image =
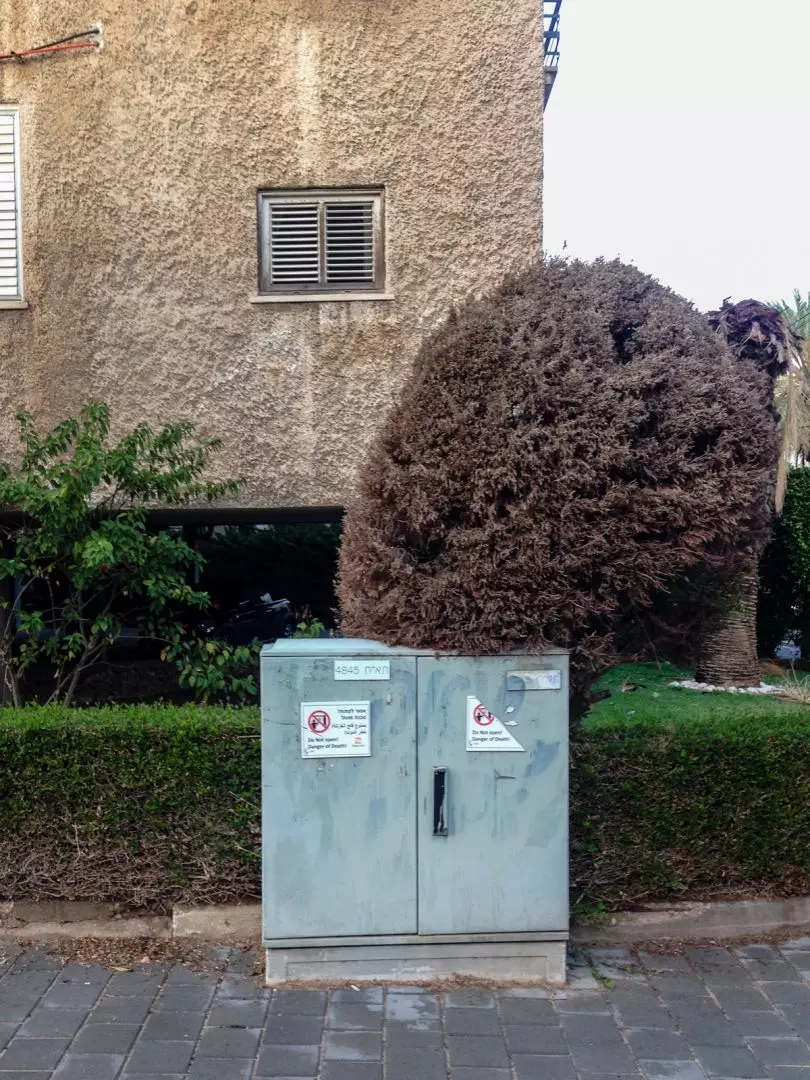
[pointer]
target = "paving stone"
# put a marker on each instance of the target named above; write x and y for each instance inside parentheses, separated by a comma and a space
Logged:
(14, 1009)
(412, 1008)
(293, 1030)
(229, 1042)
(134, 983)
(761, 1023)
(36, 960)
(525, 992)
(288, 1061)
(6, 1032)
(756, 952)
(70, 995)
(173, 1026)
(771, 970)
(729, 1061)
(364, 995)
(244, 962)
(13, 1075)
(407, 1064)
(795, 943)
(527, 1011)
(33, 1053)
(215, 1069)
(672, 1070)
(120, 1010)
(784, 1051)
(581, 1003)
(799, 958)
(105, 1039)
(407, 1035)
(351, 1070)
(658, 1045)
(182, 976)
(353, 1046)
(472, 1022)
(782, 1072)
(83, 973)
(735, 999)
(238, 1013)
(581, 979)
(709, 1031)
(355, 1017)
(469, 998)
(480, 1051)
(787, 993)
(671, 986)
(299, 1002)
(798, 1016)
(184, 999)
(654, 1017)
(713, 959)
(654, 962)
(534, 1067)
(53, 1023)
(526, 1039)
(243, 986)
(160, 1055)
(602, 1058)
(585, 1030)
(149, 1076)
(27, 983)
(89, 1067)
(481, 1074)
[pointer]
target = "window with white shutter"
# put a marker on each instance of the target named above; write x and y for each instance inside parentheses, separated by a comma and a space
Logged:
(321, 241)
(10, 250)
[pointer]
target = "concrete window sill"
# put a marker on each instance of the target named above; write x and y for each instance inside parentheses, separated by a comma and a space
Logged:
(13, 305)
(318, 298)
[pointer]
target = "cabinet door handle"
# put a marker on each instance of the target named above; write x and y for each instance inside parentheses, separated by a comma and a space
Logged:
(440, 802)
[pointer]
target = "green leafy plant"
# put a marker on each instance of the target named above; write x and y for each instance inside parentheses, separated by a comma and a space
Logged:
(78, 558)
(308, 627)
(216, 670)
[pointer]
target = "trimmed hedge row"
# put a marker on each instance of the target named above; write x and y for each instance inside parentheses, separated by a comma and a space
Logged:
(140, 804)
(150, 806)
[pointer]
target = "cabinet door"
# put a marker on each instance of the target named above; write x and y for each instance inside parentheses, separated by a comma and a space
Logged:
(339, 854)
(503, 864)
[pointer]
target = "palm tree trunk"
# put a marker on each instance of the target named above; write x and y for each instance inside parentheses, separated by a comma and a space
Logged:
(729, 646)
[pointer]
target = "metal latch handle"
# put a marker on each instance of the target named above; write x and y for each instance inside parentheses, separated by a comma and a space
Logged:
(440, 802)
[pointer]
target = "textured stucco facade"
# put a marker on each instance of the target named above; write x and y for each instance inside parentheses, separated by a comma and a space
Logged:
(140, 168)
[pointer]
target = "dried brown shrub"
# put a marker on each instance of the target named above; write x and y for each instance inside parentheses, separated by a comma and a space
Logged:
(564, 449)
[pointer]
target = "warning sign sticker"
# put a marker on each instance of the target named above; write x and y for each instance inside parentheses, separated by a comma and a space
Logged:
(485, 731)
(335, 729)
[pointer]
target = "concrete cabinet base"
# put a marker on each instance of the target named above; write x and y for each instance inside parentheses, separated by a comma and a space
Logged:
(415, 813)
(519, 961)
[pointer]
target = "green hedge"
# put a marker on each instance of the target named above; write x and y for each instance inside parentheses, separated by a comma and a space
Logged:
(708, 806)
(153, 805)
(145, 805)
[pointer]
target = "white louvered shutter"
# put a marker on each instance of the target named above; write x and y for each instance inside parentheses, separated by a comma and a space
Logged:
(294, 247)
(10, 268)
(349, 242)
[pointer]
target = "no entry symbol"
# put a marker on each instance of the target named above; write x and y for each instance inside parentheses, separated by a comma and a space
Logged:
(319, 722)
(483, 717)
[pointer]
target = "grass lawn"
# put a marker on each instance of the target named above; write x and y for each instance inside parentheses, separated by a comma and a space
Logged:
(657, 701)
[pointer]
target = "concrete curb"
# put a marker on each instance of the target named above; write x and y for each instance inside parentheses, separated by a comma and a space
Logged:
(713, 919)
(241, 922)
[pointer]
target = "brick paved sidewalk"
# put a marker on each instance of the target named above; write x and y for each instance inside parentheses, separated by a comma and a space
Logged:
(716, 1014)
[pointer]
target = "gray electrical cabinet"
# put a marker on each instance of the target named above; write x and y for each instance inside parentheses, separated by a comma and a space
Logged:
(415, 812)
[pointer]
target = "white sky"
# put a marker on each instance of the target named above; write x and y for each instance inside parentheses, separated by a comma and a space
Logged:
(678, 138)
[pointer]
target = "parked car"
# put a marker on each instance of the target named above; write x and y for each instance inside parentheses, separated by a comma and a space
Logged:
(256, 616)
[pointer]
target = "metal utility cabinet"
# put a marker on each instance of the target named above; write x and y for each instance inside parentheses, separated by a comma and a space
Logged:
(415, 812)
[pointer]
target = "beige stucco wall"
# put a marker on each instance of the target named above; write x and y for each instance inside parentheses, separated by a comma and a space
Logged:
(140, 166)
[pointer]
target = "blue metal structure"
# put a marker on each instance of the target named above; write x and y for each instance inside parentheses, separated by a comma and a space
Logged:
(551, 21)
